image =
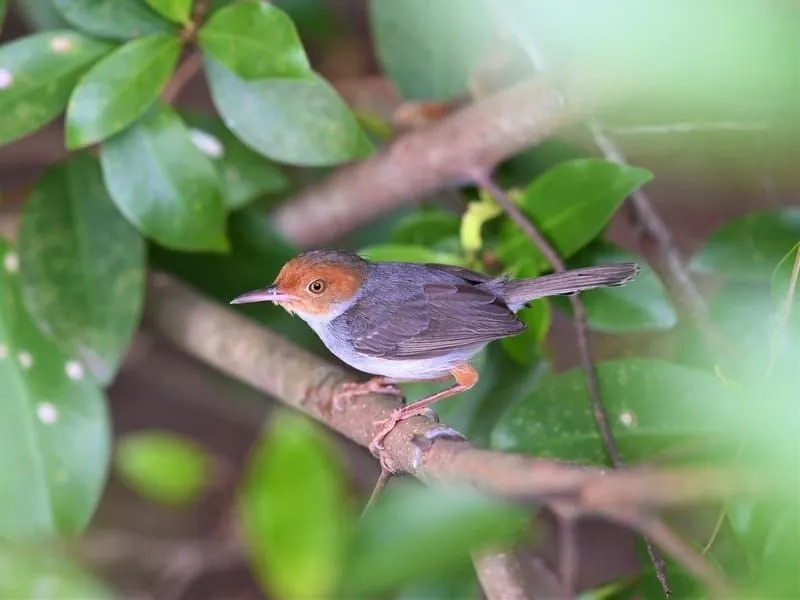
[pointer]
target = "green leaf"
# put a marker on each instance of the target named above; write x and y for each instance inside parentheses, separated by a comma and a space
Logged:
(415, 532)
(37, 74)
(178, 11)
(163, 466)
(651, 404)
(641, 305)
(782, 278)
(243, 174)
(83, 265)
(3, 10)
(54, 428)
(524, 348)
(433, 228)
(299, 122)
(474, 217)
(429, 49)
(409, 253)
(570, 204)
(748, 248)
(119, 89)
(255, 40)
(113, 19)
(164, 185)
(293, 510)
(29, 573)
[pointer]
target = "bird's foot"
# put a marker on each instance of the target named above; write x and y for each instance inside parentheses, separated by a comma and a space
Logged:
(376, 385)
(388, 425)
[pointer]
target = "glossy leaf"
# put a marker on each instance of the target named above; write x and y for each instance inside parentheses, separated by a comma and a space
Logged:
(243, 174)
(118, 89)
(570, 204)
(415, 532)
(299, 122)
(163, 467)
(433, 228)
(429, 49)
(54, 428)
(255, 40)
(114, 19)
(29, 573)
(748, 248)
(524, 348)
(651, 404)
(37, 74)
(639, 305)
(178, 11)
(409, 253)
(164, 185)
(83, 265)
(293, 510)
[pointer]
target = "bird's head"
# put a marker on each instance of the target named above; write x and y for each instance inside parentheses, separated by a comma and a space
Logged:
(317, 285)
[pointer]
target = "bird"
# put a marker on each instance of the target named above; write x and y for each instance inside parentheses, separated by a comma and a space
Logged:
(403, 322)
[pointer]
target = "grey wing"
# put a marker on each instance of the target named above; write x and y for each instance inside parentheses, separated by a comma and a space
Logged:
(442, 318)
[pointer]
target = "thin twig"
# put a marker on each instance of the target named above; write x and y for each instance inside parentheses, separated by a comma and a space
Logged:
(788, 302)
(380, 485)
(182, 76)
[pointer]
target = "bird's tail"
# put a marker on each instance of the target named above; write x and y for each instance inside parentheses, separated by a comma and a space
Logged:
(518, 292)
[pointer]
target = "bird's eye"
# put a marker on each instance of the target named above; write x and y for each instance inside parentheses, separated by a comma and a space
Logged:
(317, 286)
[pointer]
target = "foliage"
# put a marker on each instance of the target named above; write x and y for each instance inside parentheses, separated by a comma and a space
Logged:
(148, 184)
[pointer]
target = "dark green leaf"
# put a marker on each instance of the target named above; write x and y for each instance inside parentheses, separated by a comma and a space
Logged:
(433, 228)
(414, 532)
(82, 265)
(295, 519)
(570, 204)
(255, 40)
(37, 74)
(114, 19)
(640, 305)
(782, 277)
(409, 253)
(118, 89)
(430, 49)
(163, 467)
(54, 429)
(748, 248)
(178, 11)
(41, 15)
(243, 174)
(524, 348)
(25, 573)
(3, 9)
(651, 404)
(164, 185)
(300, 122)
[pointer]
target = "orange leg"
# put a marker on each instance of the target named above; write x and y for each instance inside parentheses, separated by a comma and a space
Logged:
(376, 385)
(465, 376)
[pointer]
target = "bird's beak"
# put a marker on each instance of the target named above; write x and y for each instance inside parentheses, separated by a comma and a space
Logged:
(270, 294)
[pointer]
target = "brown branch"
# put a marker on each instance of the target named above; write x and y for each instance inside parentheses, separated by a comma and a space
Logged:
(182, 76)
(422, 161)
(499, 573)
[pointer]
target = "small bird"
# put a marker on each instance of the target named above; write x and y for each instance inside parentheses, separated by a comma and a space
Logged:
(403, 322)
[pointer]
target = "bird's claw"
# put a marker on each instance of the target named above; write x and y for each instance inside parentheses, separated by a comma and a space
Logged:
(350, 389)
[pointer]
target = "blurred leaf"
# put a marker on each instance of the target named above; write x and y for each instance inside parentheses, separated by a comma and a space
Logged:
(641, 305)
(415, 532)
(41, 15)
(299, 122)
(255, 40)
(409, 253)
(37, 74)
(474, 217)
(429, 49)
(82, 265)
(524, 348)
(748, 248)
(164, 185)
(782, 277)
(25, 573)
(3, 9)
(119, 89)
(114, 19)
(178, 11)
(54, 429)
(243, 174)
(426, 227)
(293, 510)
(651, 405)
(163, 467)
(570, 204)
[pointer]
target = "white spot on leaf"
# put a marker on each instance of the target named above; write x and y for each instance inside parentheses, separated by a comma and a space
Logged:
(11, 262)
(74, 370)
(61, 44)
(627, 418)
(6, 78)
(47, 413)
(207, 143)
(3, 351)
(25, 359)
